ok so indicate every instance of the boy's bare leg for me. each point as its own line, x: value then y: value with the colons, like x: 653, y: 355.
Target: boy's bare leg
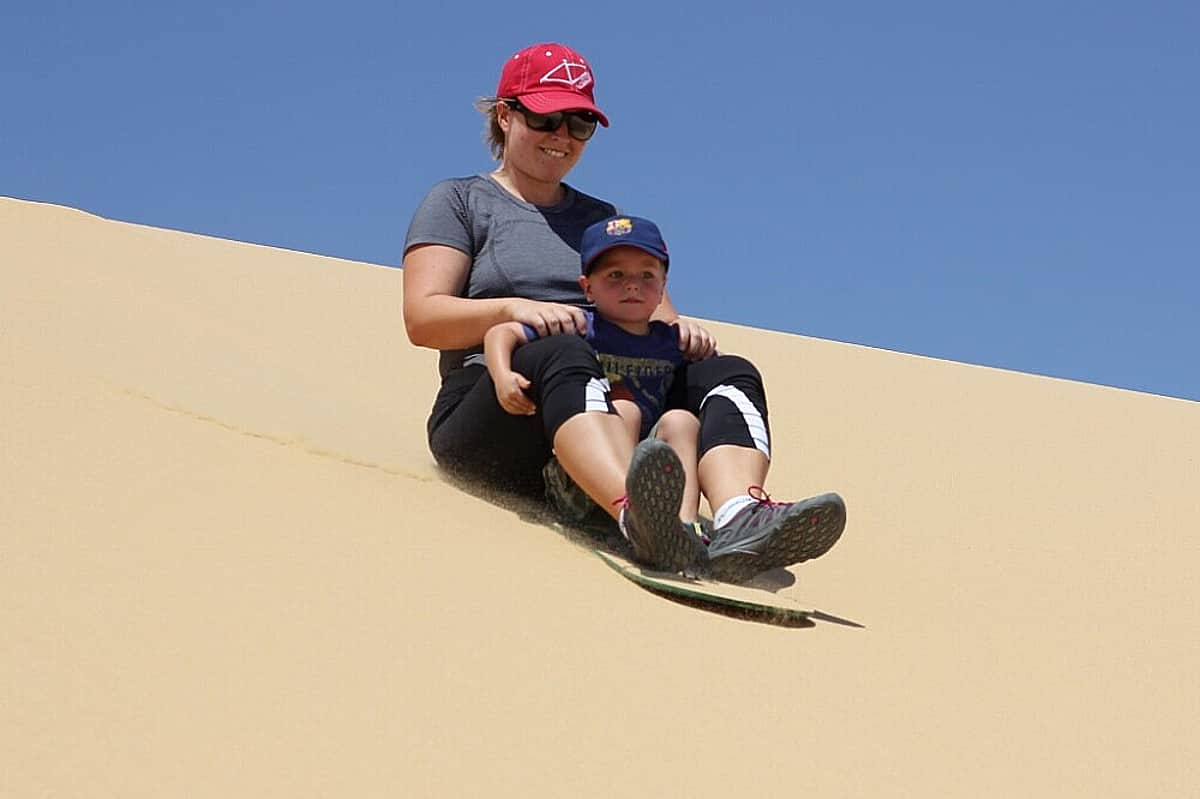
x: 631, y: 415
x: 595, y: 450
x: 681, y: 430
x: 728, y: 471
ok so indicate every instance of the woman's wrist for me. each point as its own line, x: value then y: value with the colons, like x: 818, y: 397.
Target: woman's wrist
x: 509, y: 311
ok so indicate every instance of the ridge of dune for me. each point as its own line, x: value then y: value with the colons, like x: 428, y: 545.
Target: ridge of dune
x: 230, y: 567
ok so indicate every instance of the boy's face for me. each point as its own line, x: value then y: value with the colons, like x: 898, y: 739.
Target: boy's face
x: 626, y: 284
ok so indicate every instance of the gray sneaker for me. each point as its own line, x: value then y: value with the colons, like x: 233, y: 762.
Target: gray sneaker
x: 768, y: 535
x: 563, y: 495
x: 701, y: 528
x: 650, y: 512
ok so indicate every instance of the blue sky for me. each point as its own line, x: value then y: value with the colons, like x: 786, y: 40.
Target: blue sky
x: 1015, y: 185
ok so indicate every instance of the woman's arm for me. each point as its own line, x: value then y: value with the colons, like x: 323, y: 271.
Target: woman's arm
x: 665, y: 312
x: 434, y: 313
x: 436, y: 316
x: 695, y: 342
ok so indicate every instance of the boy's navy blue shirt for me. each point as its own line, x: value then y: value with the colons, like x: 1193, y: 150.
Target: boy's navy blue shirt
x: 638, y: 368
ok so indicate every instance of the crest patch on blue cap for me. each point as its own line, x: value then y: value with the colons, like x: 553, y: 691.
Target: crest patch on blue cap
x: 619, y: 227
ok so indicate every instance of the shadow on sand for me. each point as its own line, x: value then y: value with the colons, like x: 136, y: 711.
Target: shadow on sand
x: 598, y: 532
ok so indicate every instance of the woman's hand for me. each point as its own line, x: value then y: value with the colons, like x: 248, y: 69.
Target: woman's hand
x: 510, y: 392
x: 695, y: 342
x: 548, y: 318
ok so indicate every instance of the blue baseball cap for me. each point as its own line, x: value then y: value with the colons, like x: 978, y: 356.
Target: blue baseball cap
x: 621, y: 231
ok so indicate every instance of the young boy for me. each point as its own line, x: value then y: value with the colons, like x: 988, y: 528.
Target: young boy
x: 624, y: 273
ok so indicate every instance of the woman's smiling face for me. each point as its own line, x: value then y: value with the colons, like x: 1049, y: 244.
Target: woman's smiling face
x: 545, y: 157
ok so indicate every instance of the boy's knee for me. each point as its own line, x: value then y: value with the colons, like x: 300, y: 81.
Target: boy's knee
x: 678, y: 422
x: 631, y: 416
x: 628, y: 410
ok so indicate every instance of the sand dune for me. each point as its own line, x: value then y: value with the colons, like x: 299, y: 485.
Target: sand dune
x: 230, y: 568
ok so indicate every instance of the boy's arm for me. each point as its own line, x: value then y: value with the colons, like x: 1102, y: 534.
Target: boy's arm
x: 498, y: 345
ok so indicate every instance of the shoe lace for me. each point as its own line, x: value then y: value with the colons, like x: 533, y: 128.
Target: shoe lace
x: 760, y: 495
x: 622, y: 523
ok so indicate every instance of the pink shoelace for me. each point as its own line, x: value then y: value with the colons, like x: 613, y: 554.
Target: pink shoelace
x: 623, y: 502
x: 760, y: 495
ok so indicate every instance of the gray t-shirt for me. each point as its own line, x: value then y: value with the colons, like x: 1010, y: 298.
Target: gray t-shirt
x: 517, y: 249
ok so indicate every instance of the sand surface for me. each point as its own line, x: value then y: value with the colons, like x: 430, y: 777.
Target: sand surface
x: 229, y: 567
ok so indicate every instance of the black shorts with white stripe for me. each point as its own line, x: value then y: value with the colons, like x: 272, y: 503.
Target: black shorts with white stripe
x: 471, y: 436
x: 726, y: 393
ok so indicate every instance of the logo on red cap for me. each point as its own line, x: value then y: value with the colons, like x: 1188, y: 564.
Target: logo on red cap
x: 572, y: 73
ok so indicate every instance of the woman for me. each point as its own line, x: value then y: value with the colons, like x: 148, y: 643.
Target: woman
x: 504, y: 247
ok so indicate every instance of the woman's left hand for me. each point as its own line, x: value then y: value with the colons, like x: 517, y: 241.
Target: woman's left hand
x: 695, y: 342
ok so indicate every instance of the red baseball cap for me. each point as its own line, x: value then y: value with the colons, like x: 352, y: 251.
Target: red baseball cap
x: 550, y: 77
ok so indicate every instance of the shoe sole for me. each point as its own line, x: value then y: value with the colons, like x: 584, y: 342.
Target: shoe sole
x: 815, y: 527
x: 654, y: 486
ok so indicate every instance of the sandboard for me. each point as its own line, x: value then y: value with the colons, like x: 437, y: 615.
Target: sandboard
x: 737, y: 601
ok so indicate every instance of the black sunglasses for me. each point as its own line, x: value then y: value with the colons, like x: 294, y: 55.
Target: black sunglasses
x: 580, y: 124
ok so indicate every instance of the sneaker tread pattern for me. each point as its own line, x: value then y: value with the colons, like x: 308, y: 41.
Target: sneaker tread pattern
x: 654, y: 486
